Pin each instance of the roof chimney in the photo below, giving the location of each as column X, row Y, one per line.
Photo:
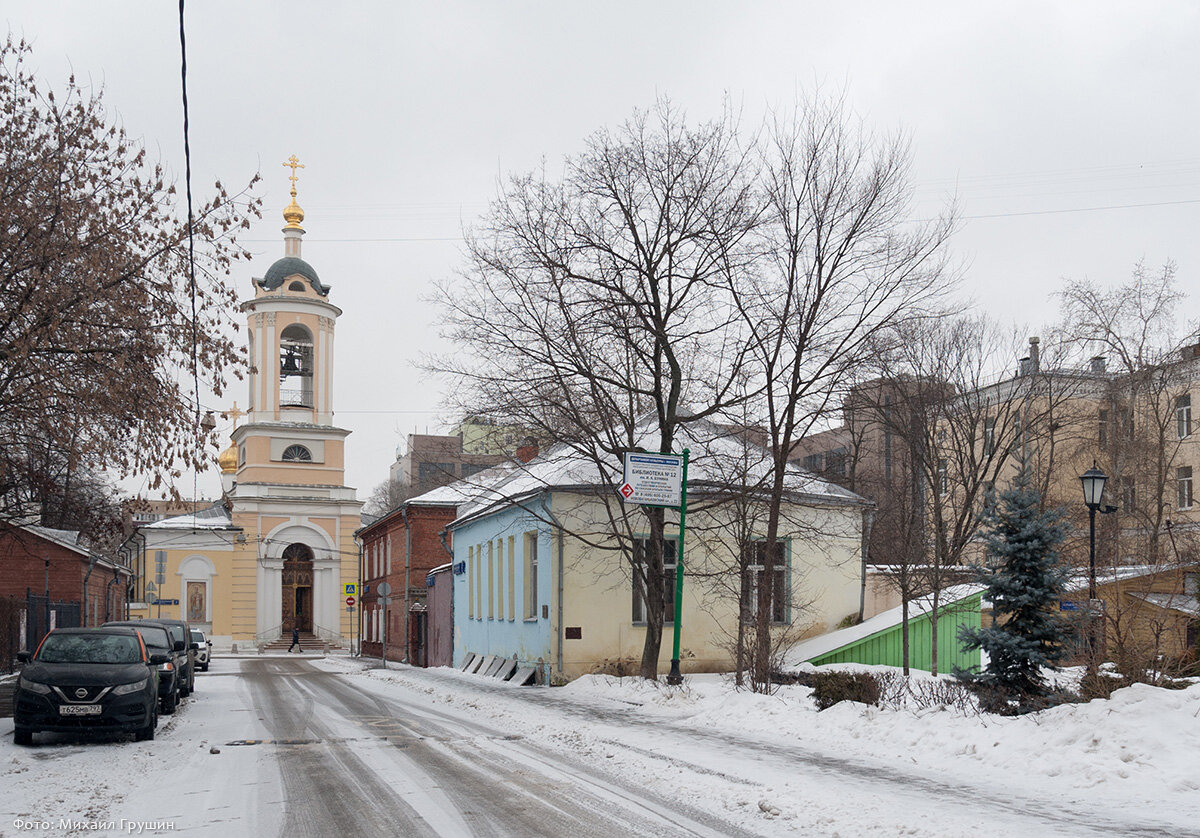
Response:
column 527, row 450
column 1034, row 357
column 1098, row 364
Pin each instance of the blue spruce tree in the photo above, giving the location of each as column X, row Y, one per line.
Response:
column 1024, row 583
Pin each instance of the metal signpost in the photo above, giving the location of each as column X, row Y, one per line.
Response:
column 661, row 480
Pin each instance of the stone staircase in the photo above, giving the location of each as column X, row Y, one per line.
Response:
column 309, row 643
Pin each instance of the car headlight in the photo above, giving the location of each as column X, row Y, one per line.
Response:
column 166, row 667
column 33, row 686
column 125, row 689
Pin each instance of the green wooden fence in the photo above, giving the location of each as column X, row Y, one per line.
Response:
column 885, row 647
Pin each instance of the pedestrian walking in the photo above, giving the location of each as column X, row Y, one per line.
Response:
column 295, row 640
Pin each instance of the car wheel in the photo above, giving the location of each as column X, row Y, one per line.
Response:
column 185, row 689
column 23, row 737
column 204, row 668
column 169, row 703
column 146, row 733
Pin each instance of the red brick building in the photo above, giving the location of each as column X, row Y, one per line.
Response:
column 401, row 548
column 35, row 559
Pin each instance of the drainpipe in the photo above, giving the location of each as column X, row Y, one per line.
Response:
column 558, row 653
column 868, row 522
column 407, row 568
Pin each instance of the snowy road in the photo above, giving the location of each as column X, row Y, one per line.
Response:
column 362, row 762
column 295, row 746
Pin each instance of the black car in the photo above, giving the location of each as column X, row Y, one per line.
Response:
column 159, row 642
column 87, row 680
column 182, row 631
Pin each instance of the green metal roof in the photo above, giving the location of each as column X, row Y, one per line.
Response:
column 291, row 266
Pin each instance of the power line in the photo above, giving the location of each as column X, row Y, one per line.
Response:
column 1084, row 209
column 187, row 158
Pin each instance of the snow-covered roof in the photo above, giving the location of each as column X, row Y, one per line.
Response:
column 1183, row 603
column 717, row 458
column 824, row 644
column 67, row 538
column 214, row 517
column 1078, row 580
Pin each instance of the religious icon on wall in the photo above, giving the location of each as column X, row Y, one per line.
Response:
column 196, row 605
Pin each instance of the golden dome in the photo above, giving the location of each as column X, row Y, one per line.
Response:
column 292, row 214
column 228, row 461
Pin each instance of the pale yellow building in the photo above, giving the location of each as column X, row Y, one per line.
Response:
column 279, row 548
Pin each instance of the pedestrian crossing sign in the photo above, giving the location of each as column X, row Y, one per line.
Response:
column 349, row 589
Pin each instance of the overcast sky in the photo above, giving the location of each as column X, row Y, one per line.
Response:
column 1068, row 131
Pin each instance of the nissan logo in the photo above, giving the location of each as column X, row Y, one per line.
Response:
column 81, row 693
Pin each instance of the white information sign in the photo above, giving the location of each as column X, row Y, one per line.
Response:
column 652, row 479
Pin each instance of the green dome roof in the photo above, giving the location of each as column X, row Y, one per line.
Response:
column 290, row 266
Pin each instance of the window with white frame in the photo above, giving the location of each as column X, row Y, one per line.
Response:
column 512, row 578
column 989, row 436
column 641, row 548
column 1183, row 487
column 491, row 584
column 499, row 578
column 755, row 595
column 531, row 576
column 1183, row 416
column 470, row 583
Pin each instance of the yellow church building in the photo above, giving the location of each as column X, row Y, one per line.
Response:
column 278, row 550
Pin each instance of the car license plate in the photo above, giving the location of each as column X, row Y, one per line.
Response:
column 79, row 709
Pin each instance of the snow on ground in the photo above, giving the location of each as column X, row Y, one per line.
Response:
column 1125, row 758
column 170, row 784
column 771, row 764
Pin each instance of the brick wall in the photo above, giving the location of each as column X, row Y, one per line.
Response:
column 427, row 523
column 23, row 558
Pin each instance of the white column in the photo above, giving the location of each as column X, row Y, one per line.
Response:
column 270, row 594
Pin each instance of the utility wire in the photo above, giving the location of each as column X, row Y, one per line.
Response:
column 187, row 159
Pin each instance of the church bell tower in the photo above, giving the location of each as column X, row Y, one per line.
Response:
column 287, row 489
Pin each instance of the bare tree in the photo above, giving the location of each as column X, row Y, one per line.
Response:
column 964, row 427
column 592, row 302
column 1136, row 426
column 842, row 262
column 97, row 315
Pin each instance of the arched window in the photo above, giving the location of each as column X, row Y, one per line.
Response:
column 297, row 454
column 296, row 286
column 297, row 552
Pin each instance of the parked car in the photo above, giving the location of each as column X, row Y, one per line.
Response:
column 87, row 679
column 203, row 649
column 182, row 631
column 159, row 641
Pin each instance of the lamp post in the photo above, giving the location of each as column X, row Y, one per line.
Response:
column 1093, row 481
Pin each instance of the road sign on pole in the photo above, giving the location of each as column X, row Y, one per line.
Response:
column 652, row 479
column 350, row 601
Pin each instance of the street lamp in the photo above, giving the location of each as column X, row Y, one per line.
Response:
column 1093, row 481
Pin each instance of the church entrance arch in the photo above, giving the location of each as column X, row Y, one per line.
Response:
column 297, row 587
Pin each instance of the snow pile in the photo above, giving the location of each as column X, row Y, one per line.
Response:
column 1132, row 753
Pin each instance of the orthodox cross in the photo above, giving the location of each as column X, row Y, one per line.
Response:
column 234, row 414
column 293, row 163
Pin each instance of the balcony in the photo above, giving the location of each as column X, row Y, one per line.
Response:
column 295, row 398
